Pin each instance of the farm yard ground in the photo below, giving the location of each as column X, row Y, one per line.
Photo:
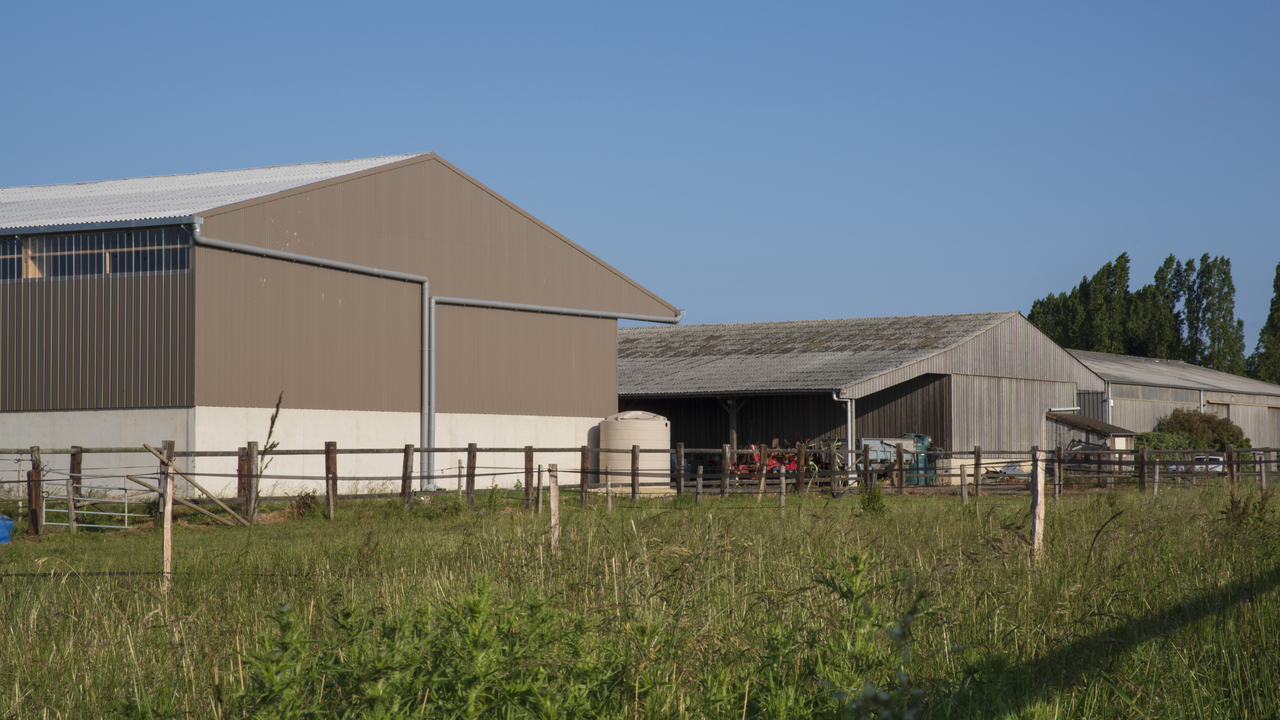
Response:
column 1163, row 607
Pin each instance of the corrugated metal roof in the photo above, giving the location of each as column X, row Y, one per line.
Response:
column 792, row 356
column 164, row 196
column 1096, row 427
column 1129, row 370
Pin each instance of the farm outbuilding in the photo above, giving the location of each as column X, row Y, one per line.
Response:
column 984, row 379
column 391, row 300
column 1140, row 392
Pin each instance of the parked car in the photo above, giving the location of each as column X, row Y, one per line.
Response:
column 1202, row 463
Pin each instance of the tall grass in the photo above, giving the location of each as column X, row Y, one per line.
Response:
column 1140, row 607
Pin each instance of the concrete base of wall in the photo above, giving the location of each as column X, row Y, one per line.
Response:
column 226, row 429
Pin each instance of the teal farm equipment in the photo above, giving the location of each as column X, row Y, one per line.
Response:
column 920, row 468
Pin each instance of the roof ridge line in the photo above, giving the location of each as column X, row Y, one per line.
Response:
column 212, row 172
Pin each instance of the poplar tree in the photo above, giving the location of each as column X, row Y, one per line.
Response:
column 1155, row 324
column 1264, row 363
column 1222, row 335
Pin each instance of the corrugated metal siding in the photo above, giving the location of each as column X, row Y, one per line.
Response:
column 1013, row 349
column 920, row 405
column 516, row 363
column 1143, row 415
column 1273, row 415
column 327, row 339
column 427, row 217
column 702, row 423
column 1254, row 421
column 1004, row 413
column 94, row 343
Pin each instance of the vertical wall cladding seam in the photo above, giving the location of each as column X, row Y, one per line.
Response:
column 97, row 342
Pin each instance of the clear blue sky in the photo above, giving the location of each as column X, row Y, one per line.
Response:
column 744, row 161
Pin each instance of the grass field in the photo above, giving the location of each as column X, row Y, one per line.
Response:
column 1141, row 607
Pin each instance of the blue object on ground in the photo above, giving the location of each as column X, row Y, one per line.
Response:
column 6, row 529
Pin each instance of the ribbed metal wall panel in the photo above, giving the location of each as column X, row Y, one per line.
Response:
column 498, row 362
column 327, row 339
column 1254, row 420
column 1004, row 413
column 920, row 405
column 96, row 343
column 1144, row 415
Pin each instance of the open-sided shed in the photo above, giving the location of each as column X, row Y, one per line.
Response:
column 984, row 379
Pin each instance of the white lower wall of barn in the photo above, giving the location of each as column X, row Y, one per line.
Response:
column 226, row 429
column 91, row 429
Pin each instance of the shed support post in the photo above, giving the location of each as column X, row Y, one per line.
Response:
column 1231, row 464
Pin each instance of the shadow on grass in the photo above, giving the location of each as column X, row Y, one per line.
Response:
column 995, row 687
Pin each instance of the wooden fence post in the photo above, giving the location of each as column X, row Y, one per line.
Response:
column 331, row 477
column 726, row 462
column 1262, row 468
column 802, row 460
column 680, row 468
column 697, row 496
column 583, row 471
column 251, row 472
column 462, row 473
column 471, row 476
column 539, row 509
column 35, row 494
column 553, row 482
column 832, row 463
column 782, row 488
column 964, row 487
column 76, row 480
column 977, row 471
column 71, row 502
column 406, row 477
column 1155, row 477
column 242, row 479
column 1058, row 479
column 635, row 472
column 901, row 475
column 1142, row 470
column 1231, row 464
column 608, row 490
column 1037, row 504
column 1113, row 465
column 866, row 468
column 166, row 549
column 760, row 473
column 528, row 477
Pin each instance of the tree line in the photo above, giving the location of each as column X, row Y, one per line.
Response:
column 1186, row 313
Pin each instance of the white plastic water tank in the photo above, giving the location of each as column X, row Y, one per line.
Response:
column 635, row 427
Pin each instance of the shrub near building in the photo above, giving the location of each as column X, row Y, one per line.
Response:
column 1205, row 430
